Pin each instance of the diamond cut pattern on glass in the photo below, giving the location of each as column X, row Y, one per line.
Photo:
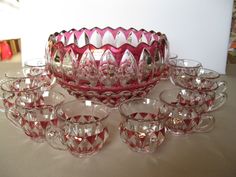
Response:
column 108, row 38
column 120, row 39
column 56, row 62
column 87, row 72
column 142, row 136
column 127, row 69
column 96, row 39
column 113, row 44
column 83, row 39
column 108, row 69
column 68, row 64
column 145, row 67
column 132, row 39
column 72, row 39
column 83, row 136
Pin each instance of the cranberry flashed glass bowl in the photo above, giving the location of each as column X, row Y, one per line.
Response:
column 107, row 65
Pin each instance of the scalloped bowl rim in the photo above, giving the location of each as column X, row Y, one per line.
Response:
column 106, row 45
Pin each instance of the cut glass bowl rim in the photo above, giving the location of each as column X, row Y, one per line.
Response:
column 107, row 46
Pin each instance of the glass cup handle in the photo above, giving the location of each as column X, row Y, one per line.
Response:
column 222, row 86
column 13, row 116
column 219, row 101
column 54, row 137
column 2, row 107
column 206, row 124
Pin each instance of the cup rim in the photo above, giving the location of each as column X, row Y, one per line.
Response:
column 15, row 77
column 39, row 109
column 27, row 63
column 217, row 75
column 211, row 89
column 82, row 101
column 135, row 99
column 199, row 64
column 41, row 106
column 172, row 56
column 173, row 105
column 21, row 91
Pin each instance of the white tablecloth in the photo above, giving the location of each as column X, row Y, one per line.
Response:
column 198, row 155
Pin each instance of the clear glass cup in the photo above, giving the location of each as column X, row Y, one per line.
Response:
column 166, row 70
column 22, row 73
column 39, row 64
column 186, row 112
column 206, row 84
column 36, row 114
column 12, row 89
column 82, row 127
column 179, row 67
column 205, row 73
column 142, row 126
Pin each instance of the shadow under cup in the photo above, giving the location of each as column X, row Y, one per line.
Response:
column 82, row 128
column 142, row 126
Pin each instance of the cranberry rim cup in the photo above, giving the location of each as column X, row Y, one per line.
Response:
column 150, row 148
column 88, row 102
column 173, row 65
column 173, row 103
column 217, row 88
column 39, row 108
column 215, row 85
column 137, row 99
column 206, row 126
column 40, row 63
column 43, row 122
column 52, row 138
column 12, row 93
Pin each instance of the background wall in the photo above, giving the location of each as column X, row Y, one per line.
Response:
column 197, row 29
column 10, row 19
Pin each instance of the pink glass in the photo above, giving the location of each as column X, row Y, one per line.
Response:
column 82, row 128
column 142, row 126
column 12, row 89
column 178, row 67
column 36, row 115
column 186, row 112
column 107, row 65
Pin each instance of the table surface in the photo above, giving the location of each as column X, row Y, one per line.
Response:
column 210, row 154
